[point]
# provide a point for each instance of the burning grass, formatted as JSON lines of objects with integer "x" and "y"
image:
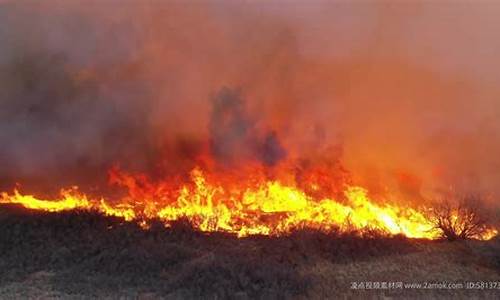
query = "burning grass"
{"x": 275, "y": 210}
{"x": 243, "y": 180}
{"x": 465, "y": 219}
{"x": 250, "y": 207}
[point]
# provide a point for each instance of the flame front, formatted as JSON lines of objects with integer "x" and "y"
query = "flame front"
{"x": 268, "y": 208}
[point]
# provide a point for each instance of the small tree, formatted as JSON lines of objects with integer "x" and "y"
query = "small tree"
{"x": 462, "y": 220}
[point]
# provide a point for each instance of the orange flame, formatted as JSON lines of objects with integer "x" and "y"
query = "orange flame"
{"x": 269, "y": 207}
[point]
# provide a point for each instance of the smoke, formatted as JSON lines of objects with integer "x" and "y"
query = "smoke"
{"x": 409, "y": 91}
{"x": 234, "y": 134}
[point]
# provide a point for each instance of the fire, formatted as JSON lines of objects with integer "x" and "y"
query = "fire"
{"x": 70, "y": 199}
{"x": 267, "y": 207}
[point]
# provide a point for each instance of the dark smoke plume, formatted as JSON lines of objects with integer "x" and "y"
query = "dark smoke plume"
{"x": 234, "y": 134}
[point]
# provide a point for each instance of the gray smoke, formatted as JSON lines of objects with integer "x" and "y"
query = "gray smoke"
{"x": 51, "y": 120}
{"x": 234, "y": 134}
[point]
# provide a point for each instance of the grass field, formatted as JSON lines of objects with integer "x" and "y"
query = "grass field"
{"x": 84, "y": 255}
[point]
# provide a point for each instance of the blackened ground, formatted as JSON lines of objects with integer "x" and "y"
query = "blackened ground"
{"x": 87, "y": 255}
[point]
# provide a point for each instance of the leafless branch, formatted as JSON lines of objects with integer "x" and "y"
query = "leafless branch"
{"x": 460, "y": 218}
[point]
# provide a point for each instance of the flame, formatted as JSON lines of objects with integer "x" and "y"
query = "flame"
{"x": 266, "y": 207}
{"x": 70, "y": 199}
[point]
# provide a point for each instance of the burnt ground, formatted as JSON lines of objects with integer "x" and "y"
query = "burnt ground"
{"x": 87, "y": 255}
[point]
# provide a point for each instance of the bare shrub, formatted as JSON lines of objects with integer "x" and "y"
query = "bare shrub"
{"x": 463, "y": 218}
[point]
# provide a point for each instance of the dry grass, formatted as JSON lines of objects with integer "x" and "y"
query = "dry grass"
{"x": 86, "y": 255}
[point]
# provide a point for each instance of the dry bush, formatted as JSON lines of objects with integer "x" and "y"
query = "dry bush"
{"x": 459, "y": 219}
